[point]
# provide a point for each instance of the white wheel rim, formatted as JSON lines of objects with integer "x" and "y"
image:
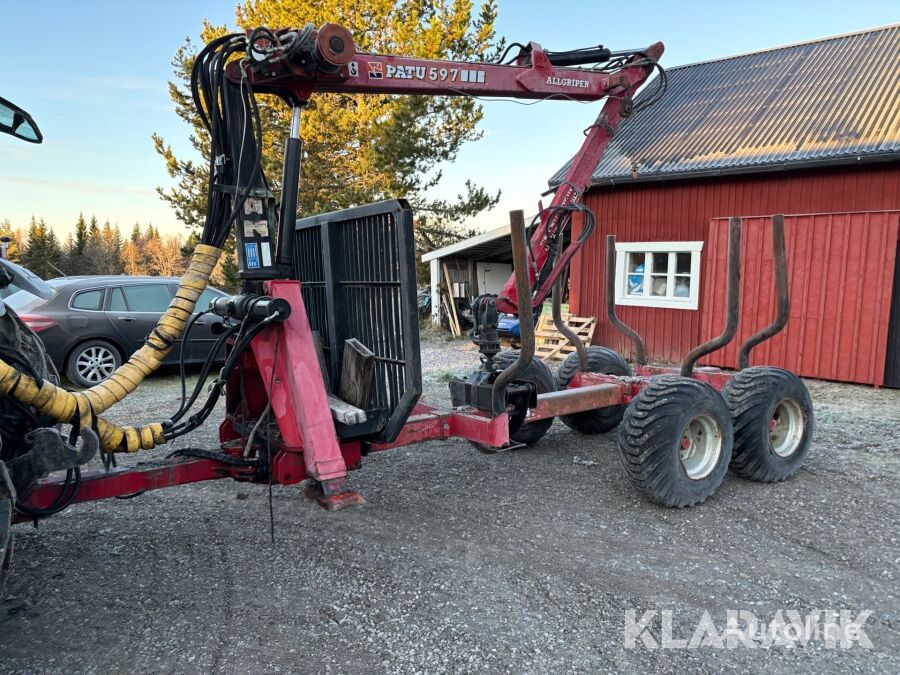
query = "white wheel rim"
{"x": 95, "y": 364}
{"x": 786, "y": 427}
{"x": 701, "y": 447}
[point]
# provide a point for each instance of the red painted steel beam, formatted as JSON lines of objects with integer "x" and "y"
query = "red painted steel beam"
{"x": 531, "y": 77}
{"x": 418, "y": 429}
{"x": 122, "y": 481}
{"x": 477, "y": 427}
{"x": 289, "y": 368}
{"x": 714, "y": 377}
{"x": 574, "y": 184}
{"x": 577, "y": 399}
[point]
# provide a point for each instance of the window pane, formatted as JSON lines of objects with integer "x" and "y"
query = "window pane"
{"x": 682, "y": 287}
{"x": 117, "y": 301}
{"x": 88, "y": 300}
{"x": 148, "y": 297}
{"x": 659, "y": 286}
{"x": 636, "y": 263}
{"x": 635, "y": 274}
{"x": 682, "y": 263}
{"x": 660, "y": 263}
{"x": 204, "y": 300}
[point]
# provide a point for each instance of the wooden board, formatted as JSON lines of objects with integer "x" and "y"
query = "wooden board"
{"x": 455, "y": 318}
{"x": 551, "y": 345}
{"x": 357, "y": 373}
{"x": 454, "y": 329}
{"x": 344, "y": 412}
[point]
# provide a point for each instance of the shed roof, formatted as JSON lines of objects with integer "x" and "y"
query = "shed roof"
{"x": 834, "y": 100}
{"x": 481, "y": 246}
{"x": 491, "y": 246}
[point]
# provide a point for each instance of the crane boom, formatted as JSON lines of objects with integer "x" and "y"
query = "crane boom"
{"x": 295, "y": 65}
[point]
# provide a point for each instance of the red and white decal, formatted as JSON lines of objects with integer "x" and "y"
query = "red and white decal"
{"x": 568, "y": 82}
{"x": 376, "y": 70}
{"x": 434, "y": 74}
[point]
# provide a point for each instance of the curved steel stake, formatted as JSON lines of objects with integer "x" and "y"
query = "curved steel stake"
{"x": 640, "y": 354}
{"x": 561, "y": 326}
{"x": 733, "y": 307}
{"x": 526, "y": 318}
{"x": 782, "y": 293}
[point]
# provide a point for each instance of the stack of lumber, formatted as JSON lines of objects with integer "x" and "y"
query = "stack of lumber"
{"x": 551, "y": 345}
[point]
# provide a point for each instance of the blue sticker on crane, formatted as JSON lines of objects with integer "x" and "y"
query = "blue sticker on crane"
{"x": 252, "y": 255}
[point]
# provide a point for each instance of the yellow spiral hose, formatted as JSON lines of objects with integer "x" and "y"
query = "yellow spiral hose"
{"x": 63, "y": 406}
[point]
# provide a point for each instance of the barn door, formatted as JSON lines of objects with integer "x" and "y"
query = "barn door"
{"x": 892, "y": 362}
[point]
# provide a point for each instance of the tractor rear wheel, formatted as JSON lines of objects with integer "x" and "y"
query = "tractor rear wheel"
{"x": 606, "y": 362}
{"x": 538, "y": 374}
{"x": 675, "y": 441}
{"x": 773, "y": 423}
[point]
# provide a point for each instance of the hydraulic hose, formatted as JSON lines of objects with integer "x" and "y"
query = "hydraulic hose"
{"x": 64, "y": 406}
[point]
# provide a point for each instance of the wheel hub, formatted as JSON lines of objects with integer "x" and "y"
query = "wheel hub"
{"x": 701, "y": 447}
{"x": 95, "y": 364}
{"x": 786, "y": 427}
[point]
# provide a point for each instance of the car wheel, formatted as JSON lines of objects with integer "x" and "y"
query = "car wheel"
{"x": 92, "y": 362}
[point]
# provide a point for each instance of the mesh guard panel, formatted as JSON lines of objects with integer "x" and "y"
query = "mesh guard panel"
{"x": 357, "y": 271}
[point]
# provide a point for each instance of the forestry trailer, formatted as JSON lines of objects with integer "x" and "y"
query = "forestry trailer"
{"x": 323, "y": 364}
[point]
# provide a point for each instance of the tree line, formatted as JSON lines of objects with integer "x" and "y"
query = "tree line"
{"x": 96, "y": 249}
{"x": 358, "y": 148}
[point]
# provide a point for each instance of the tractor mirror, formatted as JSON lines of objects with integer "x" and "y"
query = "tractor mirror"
{"x": 15, "y": 121}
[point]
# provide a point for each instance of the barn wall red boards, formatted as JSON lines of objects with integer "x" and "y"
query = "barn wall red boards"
{"x": 681, "y": 210}
{"x": 841, "y": 272}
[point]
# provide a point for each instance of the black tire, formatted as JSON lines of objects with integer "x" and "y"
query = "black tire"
{"x": 7, "y": 541}
{"x": 107, "y": 358}
{"x": 7, "y": 498}
{"x": 606, "y": 362}
{"x": 773, "y": 423}
{"x": 540, "y": 376}
{"x": 671, "y": 410}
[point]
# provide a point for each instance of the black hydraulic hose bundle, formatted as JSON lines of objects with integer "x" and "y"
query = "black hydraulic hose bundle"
{"x": 235, "y": 149}
{"x": 563, "y": 215}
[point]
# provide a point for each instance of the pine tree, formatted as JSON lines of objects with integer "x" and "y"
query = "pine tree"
{"x": 13, "y": 248}
{"x": 93, "y": 258}
{"x": 73, "y": 256}
{"x": 81, "y": 234}
{"x": 358, "y": 148}
{"x": 110, "y": 247}
{"x": 42, "y": 254}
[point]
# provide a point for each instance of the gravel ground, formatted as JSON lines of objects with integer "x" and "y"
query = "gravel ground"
{"x": 524, "y": 561}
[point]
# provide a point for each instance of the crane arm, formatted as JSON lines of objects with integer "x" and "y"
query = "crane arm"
{"x": 296, "y": 64}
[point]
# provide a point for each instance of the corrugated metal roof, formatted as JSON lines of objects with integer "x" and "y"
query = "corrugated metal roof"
{"x": 829, "y": 101}
{"x": 494, "y": 245}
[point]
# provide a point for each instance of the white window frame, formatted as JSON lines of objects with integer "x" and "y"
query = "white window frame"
{"x": 647, "y": 300}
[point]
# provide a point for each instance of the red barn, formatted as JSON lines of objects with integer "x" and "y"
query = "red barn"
{"x": 810, "y": 130}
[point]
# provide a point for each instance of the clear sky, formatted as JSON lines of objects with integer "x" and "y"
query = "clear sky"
{"x": 93, "y": 74}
